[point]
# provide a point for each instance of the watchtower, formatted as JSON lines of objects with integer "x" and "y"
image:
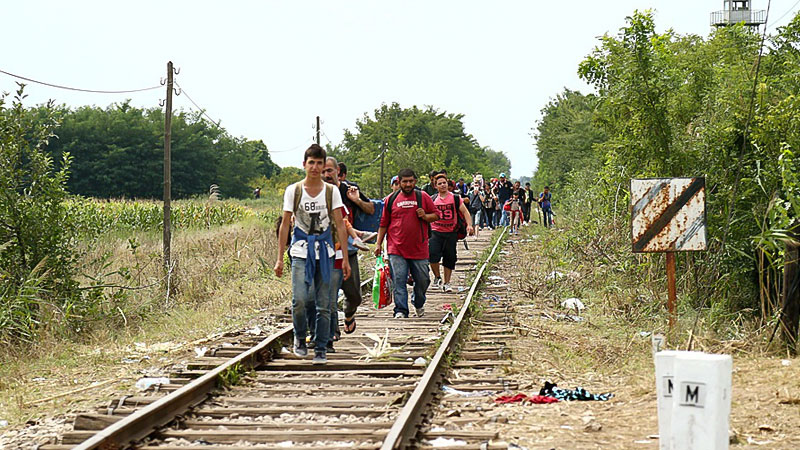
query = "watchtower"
{"x": 738, "y": 11}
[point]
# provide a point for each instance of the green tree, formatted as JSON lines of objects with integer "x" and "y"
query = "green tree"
{"x": 239, "y": 164}
{"x": 422, "y": 139}
{"x": 118, "y": 152}
{"x": 565, "y": 138}
{"x": 671, "y": 105}
{"x": 36, "y": 233}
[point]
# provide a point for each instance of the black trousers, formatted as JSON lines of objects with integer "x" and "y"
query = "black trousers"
{"x": 352, "y": 287}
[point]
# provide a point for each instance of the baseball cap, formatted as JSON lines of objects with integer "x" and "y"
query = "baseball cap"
{"x": 395, "y": 179}
{"x": 502, "y": 175}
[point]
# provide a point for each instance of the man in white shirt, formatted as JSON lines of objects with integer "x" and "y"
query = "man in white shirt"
{"x": 317, "y": 209}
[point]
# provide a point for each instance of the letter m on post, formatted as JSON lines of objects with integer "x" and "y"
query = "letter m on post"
{"x": 693, "y": 394}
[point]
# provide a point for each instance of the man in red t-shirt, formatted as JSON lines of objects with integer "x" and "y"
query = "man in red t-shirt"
{"x": 443, "y": 233}
{"x": 405, "y": 218}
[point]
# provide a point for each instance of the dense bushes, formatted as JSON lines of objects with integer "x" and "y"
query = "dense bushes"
{"x": 36, "y": 233}
{"x": 668, "y": 105}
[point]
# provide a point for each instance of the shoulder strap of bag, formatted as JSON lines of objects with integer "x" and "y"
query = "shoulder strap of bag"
{"x": 422, "y": 222}
{"x": 329, "y": 199}
{"x": 329, "y": 205}
{"x": 298, "y": 193}
{"x": 388, "y": 206}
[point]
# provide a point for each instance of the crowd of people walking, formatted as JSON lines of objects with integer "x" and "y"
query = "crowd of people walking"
{"x": 420, "y": 228}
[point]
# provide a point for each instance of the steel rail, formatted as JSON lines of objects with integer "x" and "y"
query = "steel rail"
{"x": 144, "y": 421}
{"x": 406, "y": 426}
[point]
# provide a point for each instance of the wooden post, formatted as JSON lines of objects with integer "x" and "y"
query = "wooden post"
{"x": 168, "y": 170}
{"x": 671, "y": 299}
{"x": 790, "y": 302}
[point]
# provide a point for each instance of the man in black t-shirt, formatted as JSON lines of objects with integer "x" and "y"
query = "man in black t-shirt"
{"x": 504, "y": 188}
{"x": 526, "y": 206}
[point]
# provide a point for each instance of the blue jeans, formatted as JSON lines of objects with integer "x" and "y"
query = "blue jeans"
{"x": 496, "y": 218}
{"x": 488, "y": 218}
{"x": 419, "y": 272}
{"x": 504, "y": 222}
{"x": 548, "y": 216}
{"x": 306, "y": 299}
{"x": 311, "y": 308}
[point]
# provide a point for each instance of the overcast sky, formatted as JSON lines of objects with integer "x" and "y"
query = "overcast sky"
{"x": 267, "y": 68}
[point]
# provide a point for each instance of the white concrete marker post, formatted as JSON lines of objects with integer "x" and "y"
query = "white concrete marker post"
{"x": 701, "y": 401}
{"x": 657, "y": 341}
{"x": 665, "y": 363}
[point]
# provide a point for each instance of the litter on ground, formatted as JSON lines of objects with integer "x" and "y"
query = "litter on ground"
{"x": 146, "y": 383}
{"x": 573, "y": 303}
{"x": 446, "y": 442}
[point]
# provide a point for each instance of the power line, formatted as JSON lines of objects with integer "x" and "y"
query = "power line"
{"x": 785, "y": 14}
{"x": 293, "y": 148}
{"x": 202, "y": 110}
{"x": 93, "y": 91}
{"x": 373, "y": 161}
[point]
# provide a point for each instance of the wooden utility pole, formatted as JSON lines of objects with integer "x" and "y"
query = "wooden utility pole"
{"x": 383, "y": 156}
{"x": 318, "y": 143}
{"x": 671, "y": 292}
{"x": 790, "y": 303}
{"x": 168, "y": 170}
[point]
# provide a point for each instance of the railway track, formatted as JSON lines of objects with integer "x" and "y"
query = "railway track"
{"x": 381, "y": 389}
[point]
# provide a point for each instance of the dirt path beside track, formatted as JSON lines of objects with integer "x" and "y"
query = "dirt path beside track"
{"x": 605, "y": 354}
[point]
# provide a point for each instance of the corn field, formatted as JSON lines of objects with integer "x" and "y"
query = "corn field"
{"x": 95, "y": 217}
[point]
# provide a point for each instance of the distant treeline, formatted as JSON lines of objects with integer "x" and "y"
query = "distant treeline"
{"x": 118, "y": 151}
{"x": 422, "y": 139}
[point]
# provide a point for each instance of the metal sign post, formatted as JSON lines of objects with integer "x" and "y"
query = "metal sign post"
{"x": 668, "y": 215}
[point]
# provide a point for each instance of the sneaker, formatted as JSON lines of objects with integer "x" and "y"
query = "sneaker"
{"x": 447, "y": 288}
{"x": 359, "y": 244}
{"x": 368, "y": 236}
{"x": 300, "y": 349}
{"x": 399, "y": 315}
{"x": 329, "y": 348}
{"x": 420, "y": 311}
{"x": 319, "y": 358}
{"x": 437, "y": 282}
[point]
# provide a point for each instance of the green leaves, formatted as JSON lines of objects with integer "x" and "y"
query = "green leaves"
{"x": 422, "y": 139}
{"x": 36, "y": 255}
{"x": 118, "y": 152}
{"x": 672, "y": 105}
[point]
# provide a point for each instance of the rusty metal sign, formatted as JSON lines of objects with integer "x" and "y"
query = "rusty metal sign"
{"x": 668, "y": 214}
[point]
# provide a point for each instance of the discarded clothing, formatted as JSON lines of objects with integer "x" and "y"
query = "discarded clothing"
{"x": 551, "y": 390}
{"x": 324, "y": 263}
{"x": 538, "y": 399}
